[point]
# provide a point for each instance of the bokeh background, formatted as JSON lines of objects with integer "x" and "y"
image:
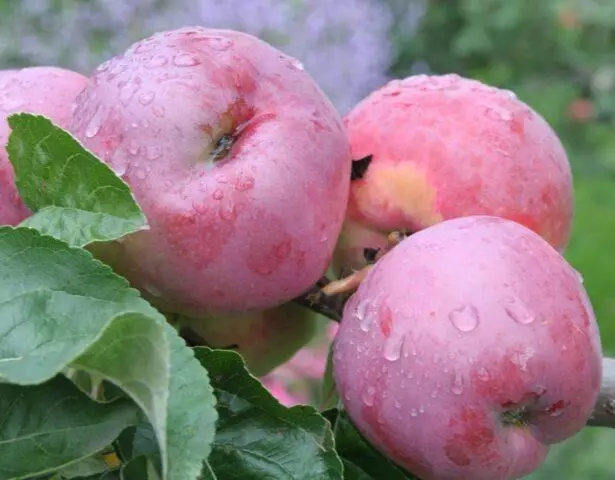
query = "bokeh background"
{"x": 557, "y": 55}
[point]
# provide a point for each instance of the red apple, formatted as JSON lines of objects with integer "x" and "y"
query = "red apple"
{"x": 432, "y": 148}
{"x": 238, "y": 159}
{"x": 48, "y": 91}
{"x": 468, "y": 349}
{"x": 265, "y": 339}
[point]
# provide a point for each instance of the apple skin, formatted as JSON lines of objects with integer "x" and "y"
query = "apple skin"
{"x": 245, "y": 230}
{"x": 443, "y": 147}
{"x": 44, "y": 90}
{"x": 468, "y": 349}
{"x": 265, "y": 339}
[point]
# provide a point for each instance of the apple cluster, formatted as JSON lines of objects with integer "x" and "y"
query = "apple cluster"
{"x": 442, "y": 205}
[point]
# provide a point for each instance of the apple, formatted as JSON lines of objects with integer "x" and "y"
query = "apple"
{"x": 432, "y": 148}
{"x": 265, "y": 339}
{"x": 238, "y": 159}
{"x": 468, "y": 349}
{"x": 44, "y": 90}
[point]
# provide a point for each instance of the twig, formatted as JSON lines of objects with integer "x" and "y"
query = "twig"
{"x": 604, "y": 411}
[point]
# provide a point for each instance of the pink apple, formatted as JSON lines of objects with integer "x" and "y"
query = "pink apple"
{"x": 265, "y": 339}
{"x": 443, "y": 147}
{"x": 238, "y": 159}
{"x": 48, "y": 91}
{"x": 467, "y": 350}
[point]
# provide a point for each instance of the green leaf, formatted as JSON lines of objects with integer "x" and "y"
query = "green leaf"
{"x": 62, "y": 308}
{"x": 361, "y": 460}
{"x": 191, "y": 415}
{"x": 45, "y": 427}
{"x": 74, "y": 195}
{"x": 259, "y": 438}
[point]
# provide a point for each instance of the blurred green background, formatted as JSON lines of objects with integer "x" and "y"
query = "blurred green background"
{"x": 556, "y": 55}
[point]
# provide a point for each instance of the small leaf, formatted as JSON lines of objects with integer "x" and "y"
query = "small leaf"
{"x": 62, "y": 308}
{"x": 361, "y": 459}
{"x": 259, "y": 438}
{"x": 75, "y": 196}
{"x": 45, "y": 427}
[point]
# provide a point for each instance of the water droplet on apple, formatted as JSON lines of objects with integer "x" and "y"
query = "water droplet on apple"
{"x": 95, "y": 123}
{"x": 220, "y": 43}
{"x": 434, "y": 393}
{"x": 128, "y": 92}
{"x": 244, "y": 183}
{"x": 436, "y": 358}
{"x": 147, "y": 97}
{"x": 368, "y": 396}
{"x": 158, "y": 111}
{"x": 140, "y": 174}
{"x": 153, "y": 152}
{"x": 483, "y": 374}
{"x": 218, "y": 194}
{"x": 421, "y": 409}
{"x": 134, "y": 148}
{"x": 464, "y": 318}
{"x": 393, "y": 346}
{"x": 360, "y": 314}
{"x": 580, "y": 277}
{"x": 457, "y": 386}
{"x": 397, "y": 404}
{"x": 157, "y": 61}
{"x": 227, "y": 211}
{"x": 516, "y": 310}
{"x": 297, "y": 64}
{"x": 185, "y": 60}
{"x": 413, "y": 412}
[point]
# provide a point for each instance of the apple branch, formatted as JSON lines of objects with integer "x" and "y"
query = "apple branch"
{"x": 604, "y": 411}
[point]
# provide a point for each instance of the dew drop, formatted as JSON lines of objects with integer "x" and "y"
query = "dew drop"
{"x": 95, "y": 123}
{"x": 297, "y": 64}
{"x": 362, "y": 316}
{"x": 393, "y": 346}
{"x": 134, "y": 148}
{"x": 483, "y": 374}
{"x": 421, "y": 409}
{"x": 157, "y": 61}
{"x": 227, "y": 211}
{"x": 245, "y": 183}
{"x": 158, "y": 111}
{"x": 580, "y": 277}
{"x": 397, "y": 404}
{"x": 368, "y": 396}
{"x": 153, "y": 152}
{"x": 434, "y": 393}
{"x": 464, "y": 318}
{"x": 457, "y": 386}
{"x": 413, "y": 412}
{"x": 516, "y": 310}
{"x": 147, "y": 97}
{"x": 185, "y": 60}
{"x": 128, "y": 92}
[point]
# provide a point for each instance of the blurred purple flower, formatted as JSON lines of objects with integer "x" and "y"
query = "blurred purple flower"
{"x": 343, "y": 44}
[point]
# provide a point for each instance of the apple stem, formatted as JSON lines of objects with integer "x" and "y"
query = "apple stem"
{"x": 331, "y": 306}
{"x": 604, "y": 411}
